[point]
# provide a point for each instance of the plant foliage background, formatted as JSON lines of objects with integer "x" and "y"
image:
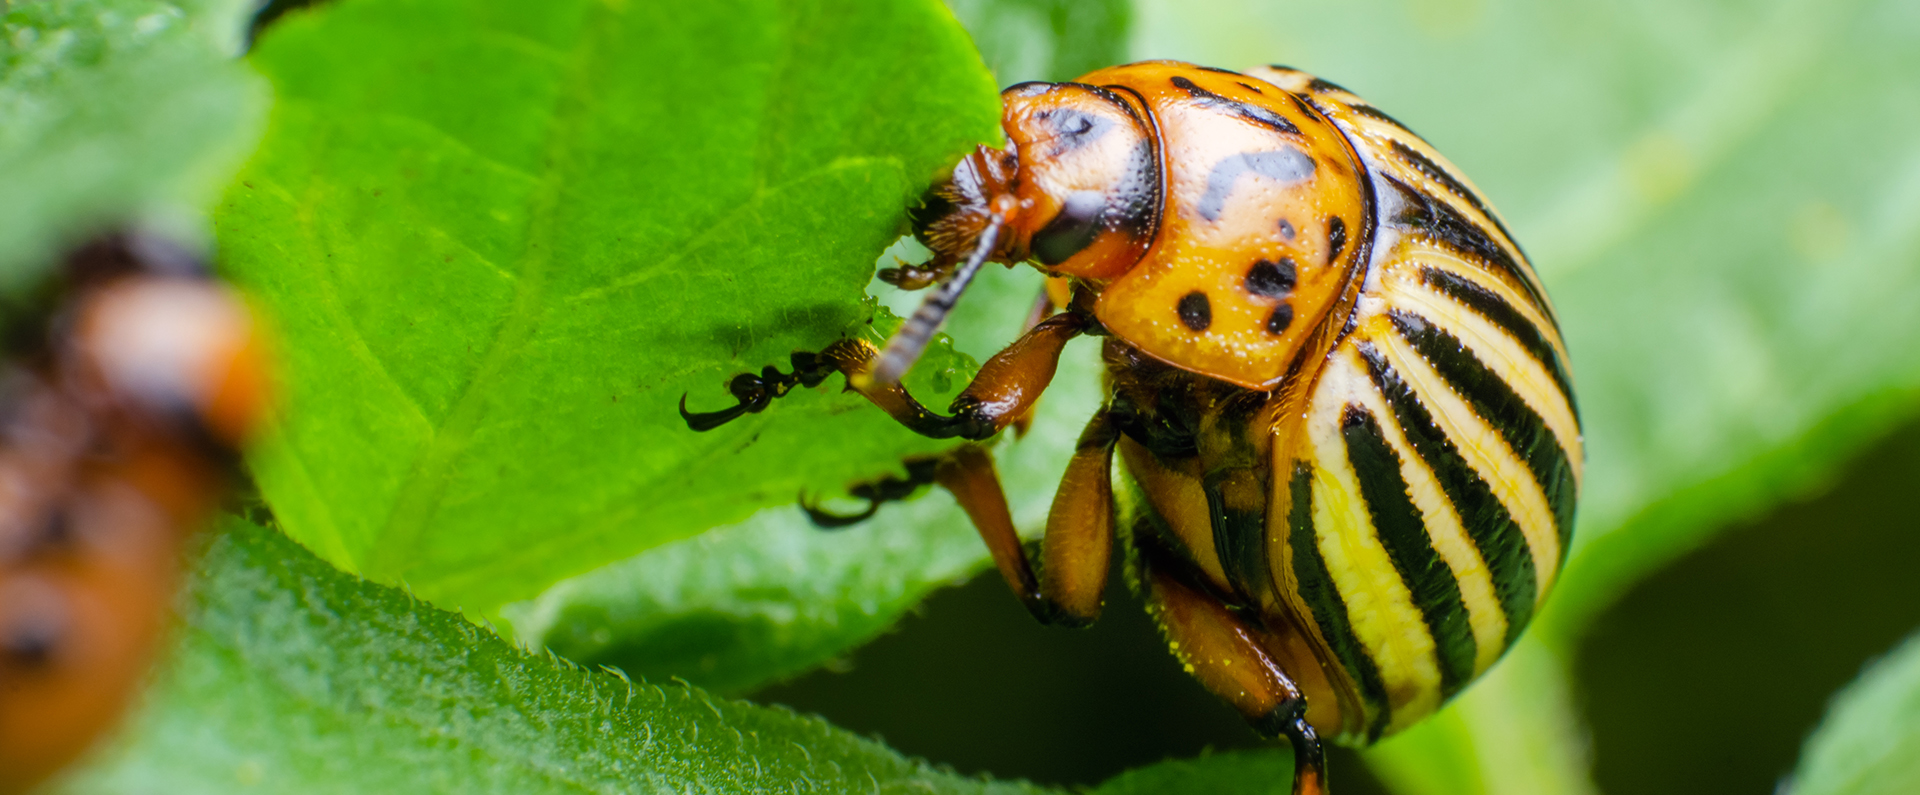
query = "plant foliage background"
{"x": 499, "y": 240}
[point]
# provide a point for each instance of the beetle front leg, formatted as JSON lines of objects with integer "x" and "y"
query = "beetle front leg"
{"x": 1005, "y": 388}
{"x": 1009, "y": 383}
{"x": 756, "y": 392}
{"x": 1228, "y": 655}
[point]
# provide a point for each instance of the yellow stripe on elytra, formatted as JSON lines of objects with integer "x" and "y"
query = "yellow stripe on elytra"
{"x": 1444, "y": 529}
{"x": 1424, "y": 253}
{"x": 1501, "y": 353}
{"x": 1484, "y": 450}
{"x": 1379, "y": 604}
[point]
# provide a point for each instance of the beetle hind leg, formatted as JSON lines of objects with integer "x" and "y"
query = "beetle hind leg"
{"x": 1228, "y": 654}
{"x": 920, "y": 472}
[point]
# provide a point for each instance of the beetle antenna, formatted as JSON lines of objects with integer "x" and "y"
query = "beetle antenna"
{"x": 904, "y": 348}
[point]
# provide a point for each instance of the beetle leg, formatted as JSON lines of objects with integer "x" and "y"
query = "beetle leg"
{"x": 967, "y": 472}
{"x": 1054, "y": 296}
{"x": 1228, "y": 655}
{"x": 756, "y": 392}
{"x": 908, "y": 276}
{"x": 1011, "y": 381}
{"x": 1006, "y": 387}
{"x": 1079, "y": 541}
{"x": 875, "y": 492}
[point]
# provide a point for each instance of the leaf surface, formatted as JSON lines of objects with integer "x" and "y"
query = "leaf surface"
{"x": 291, "y": 676}
{"x": 499, "y": 254}
{"x": 1869, "y": 742}
{"x": 771, "y": 597}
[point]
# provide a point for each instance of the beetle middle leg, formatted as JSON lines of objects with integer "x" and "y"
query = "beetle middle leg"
{"x": 1229, "y": 655}
{"x": 1079, "y": 539}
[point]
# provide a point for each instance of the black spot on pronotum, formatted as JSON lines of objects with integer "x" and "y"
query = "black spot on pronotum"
{"x": 1336, "y": 237}
{"x": 1196, "y": 311}
{"x": 1286, "y": 166}
{"x": 1286, "y": 229}
{"x": 1073, "y": 229}
{"x": 1220, "y": 70}
{"x": 1254, "y": 89}
{"x": 1073, "y": 129}
{"x": 1281, "y": 318}
{"x": 1269, "y": 279}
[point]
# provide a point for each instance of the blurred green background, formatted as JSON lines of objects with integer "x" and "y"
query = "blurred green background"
{"x": 499, "y": 240}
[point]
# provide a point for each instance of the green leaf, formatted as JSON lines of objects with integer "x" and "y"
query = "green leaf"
{"x": 500, "y": 253}
{"x": 1725, "y": 205}
{"x": 743, "y": 605}
{"x": 738, "y": 606}
{"x": 291, "y": 676}
{"x": 1238, "y": 773}
{"x": 1869, "y": 743}
{"x": 115, "y": 112}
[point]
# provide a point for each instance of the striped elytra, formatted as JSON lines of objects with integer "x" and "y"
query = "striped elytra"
{"x": 1347, "y": 440}
{"x": 1421, "y": 446}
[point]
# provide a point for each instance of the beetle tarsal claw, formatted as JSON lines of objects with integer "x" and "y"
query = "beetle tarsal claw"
{"x": 709, "y": 420}
{"x": 828, "y": 520}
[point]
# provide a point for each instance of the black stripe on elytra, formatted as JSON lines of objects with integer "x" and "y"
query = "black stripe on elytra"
{"x": 1438, "y": 219}
{"x": 1305, "y": 108}
{"x": 1329, "y": 610}
{"x": 1490, "y": 305}
{"x": 1220, "y": 70}
{"x": 1246, "y": 110}
{"x": 1440, "y": 174}
{"x": 1403, "y": 531}
{"x": 1319, "y": 86}
{"x": 1495, "y": 401}
{"x": 1377, "y": 114}
{"x": 1502, "y": 545}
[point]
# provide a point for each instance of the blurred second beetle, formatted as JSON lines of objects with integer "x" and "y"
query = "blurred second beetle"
{"x": 129, "y": 389}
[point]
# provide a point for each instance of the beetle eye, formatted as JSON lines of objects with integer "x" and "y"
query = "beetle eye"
{"x": 1073, "y": 229}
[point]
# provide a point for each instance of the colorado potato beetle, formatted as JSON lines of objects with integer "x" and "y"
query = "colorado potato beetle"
{"x": 1349, "y": 444}
{"x": 121, "y": 415}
